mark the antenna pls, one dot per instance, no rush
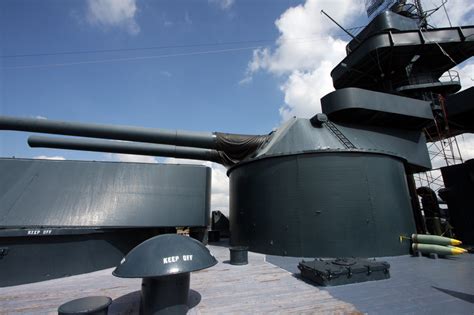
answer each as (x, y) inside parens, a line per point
(419, 7)
(446, 12)
(423, 16)
(340, 26)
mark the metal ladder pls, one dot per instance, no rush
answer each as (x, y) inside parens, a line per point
(346, 142)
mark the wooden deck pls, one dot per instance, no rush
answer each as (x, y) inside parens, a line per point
(259, 287)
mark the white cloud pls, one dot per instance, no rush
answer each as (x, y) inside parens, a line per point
(459, 12)
(465, 141)
(246, 80)
(223, 4)
(131, 158)
(45, 157)
(40, 117)
(306, 52)
(304, 89)
(220, 183)
(113, 13)
(466, 146)
(165, 73)
(466, 74)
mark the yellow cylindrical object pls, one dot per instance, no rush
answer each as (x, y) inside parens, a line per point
(437, 249)
(459, 248)
(434, 239)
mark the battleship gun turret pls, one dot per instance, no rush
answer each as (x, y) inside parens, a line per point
(339, 183)
(309, 181)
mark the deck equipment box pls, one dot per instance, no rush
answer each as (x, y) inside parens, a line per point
(343, 271)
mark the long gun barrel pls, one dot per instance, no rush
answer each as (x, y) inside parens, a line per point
(230, 147)
(110, 146)
(115, 132)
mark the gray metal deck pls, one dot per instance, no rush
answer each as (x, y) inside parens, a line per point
(418, 285)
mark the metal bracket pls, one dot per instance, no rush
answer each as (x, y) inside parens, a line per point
(3, 252)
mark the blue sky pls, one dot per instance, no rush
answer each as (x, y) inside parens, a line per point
(196, 92)
(238, 66)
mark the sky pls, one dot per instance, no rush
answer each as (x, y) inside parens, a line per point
(239, 66)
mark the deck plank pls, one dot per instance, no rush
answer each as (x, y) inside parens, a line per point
(259, 287)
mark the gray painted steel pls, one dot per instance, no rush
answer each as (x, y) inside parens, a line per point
(328, 187)
(367, 164)
(354, 105)
(393, 51)
(239, 255)
(39, 257)
(386, 20)
(165, 295)
(321, 205)
(298, 136)
(91, 305)
(459, 182)
(461, 103)
(231, 147)
(461, 111)
(131, 133)
(102, 194)
(165, 255)
(125, 147)
(165, 262)
(405, 144)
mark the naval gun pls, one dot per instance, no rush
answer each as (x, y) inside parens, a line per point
(313, 187)
(222, 148)
(339, 183)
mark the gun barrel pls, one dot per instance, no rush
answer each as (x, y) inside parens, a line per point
(231, 147)
(114, 132)
(110, 146)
